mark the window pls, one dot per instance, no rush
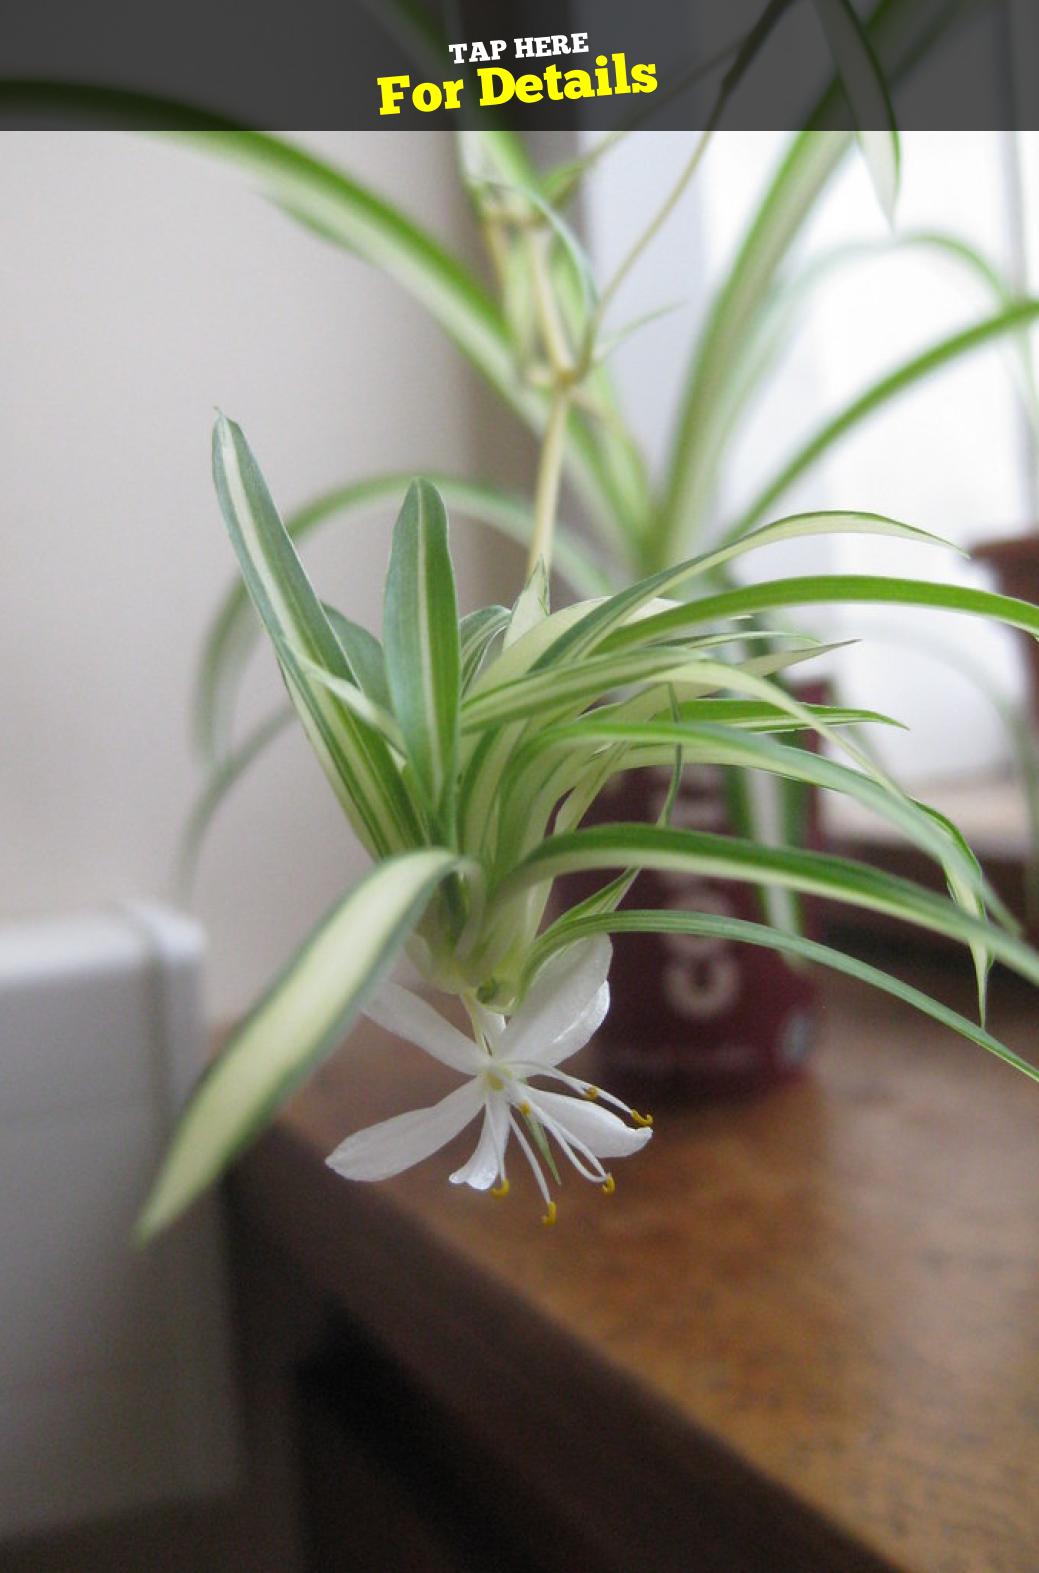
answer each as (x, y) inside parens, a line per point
(952, 456)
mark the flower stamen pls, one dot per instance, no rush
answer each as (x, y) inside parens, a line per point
(641, 1119)
(502, 1189)
(568, 1142)
(528, 1068)
(549, 1217)
(609, 1185)
(528, 1153)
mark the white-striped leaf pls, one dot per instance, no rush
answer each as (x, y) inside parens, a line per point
(717, 359)
(364, 654)
(727, 857)
(719, 745)
(476, 633)
(353, 754)
(233, 631)
(420, 642)
(868, 96)
(593, 628)
(577, 926)
(956, 346)
(531, 605)
(303, 1017)
(831, 590)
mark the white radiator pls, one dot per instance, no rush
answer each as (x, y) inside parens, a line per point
(115, 1387)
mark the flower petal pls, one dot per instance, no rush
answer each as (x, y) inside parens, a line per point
(409, 1016)
(491, 1024)
(384, 1149)
(487, 1164)
(603, 1133)
(579, 1031)
(567, 1003)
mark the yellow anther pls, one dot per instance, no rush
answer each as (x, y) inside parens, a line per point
(609, 1185)
(502, 1189)
(591, 1093)
(549, 1217)
(641, 1119)
(524, 1107)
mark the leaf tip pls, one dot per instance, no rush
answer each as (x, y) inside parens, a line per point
(150, 1222)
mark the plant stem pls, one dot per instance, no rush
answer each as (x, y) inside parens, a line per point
(749, 47)
(564, 379)
(656, 224)
(553, 333)
(567, 176)
(550, 470)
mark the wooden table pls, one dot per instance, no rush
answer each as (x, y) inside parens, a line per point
(804, 1333)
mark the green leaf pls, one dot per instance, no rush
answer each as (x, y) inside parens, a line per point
(779, 321)
(868, 95)
(343, 211)
(728, 857)
(819, 269)
(487, 154)
(364, 655)
(730, 327)
(234, 631)
(354, 756)
(700, 673)
(576, 256)
(609, 897)
(648, 708)
(572, 928)
(357, 702)
(967, 892)
(304, 1015)
(476, 633)
(719, 745)
(882, 392)
(899, 34)
(828, 589)
(221, 781)
(597, 623)
(532, 606)
(756, 716)
(420, 638)
(613, 341)
(553, 691)
(549, 695)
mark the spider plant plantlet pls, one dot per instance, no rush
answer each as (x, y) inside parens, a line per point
(465, 753)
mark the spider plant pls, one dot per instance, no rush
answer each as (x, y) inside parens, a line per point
(541, 334)
(465, 753)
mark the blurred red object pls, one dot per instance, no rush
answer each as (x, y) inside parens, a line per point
(696, 1016)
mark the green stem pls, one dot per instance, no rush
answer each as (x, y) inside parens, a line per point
(550, 469)
(653, 228)
(565, 376)
(550, 322)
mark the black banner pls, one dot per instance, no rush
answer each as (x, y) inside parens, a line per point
(522, 64)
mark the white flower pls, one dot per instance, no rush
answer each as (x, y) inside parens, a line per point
(560, 1013)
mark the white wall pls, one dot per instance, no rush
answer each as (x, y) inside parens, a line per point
(141, 286)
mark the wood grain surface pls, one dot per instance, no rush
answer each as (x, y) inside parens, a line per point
(802, 1334)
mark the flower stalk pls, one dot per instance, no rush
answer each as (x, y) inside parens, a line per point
(550, 474)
